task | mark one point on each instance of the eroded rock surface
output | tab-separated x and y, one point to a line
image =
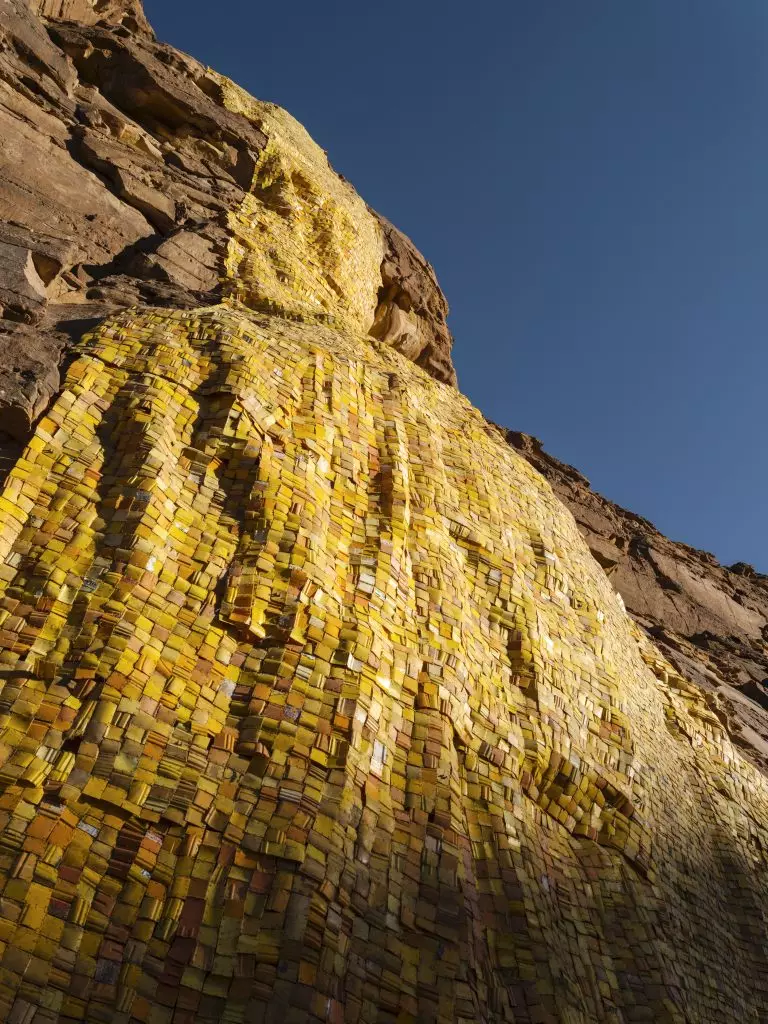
128	14
123	167
314	703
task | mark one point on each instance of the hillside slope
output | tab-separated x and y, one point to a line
314	703
709	620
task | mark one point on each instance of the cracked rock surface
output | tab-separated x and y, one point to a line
120	164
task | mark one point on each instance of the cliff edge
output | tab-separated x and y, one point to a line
314	703
124	168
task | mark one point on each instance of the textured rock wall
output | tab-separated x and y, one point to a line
128	14
126	168
314	704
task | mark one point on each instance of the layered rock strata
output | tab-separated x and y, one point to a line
123	166
314	704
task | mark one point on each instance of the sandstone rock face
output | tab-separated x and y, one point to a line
710	620
128	14
412	312
314	704
127	169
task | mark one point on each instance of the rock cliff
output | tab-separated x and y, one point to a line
314	703
123	166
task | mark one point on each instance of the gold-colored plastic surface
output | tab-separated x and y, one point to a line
303	244
315	706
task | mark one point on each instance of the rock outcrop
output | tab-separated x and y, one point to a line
127	14
314	703
122	164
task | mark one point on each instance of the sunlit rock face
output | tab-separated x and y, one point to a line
314	704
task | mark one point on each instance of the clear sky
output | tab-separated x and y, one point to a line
590	180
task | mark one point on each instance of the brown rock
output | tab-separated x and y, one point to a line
89	196
127	13
413	312
29	376
43	189
28	53
314	703
191	259
120	165
27	290
158	208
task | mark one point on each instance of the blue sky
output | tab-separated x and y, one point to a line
590	180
